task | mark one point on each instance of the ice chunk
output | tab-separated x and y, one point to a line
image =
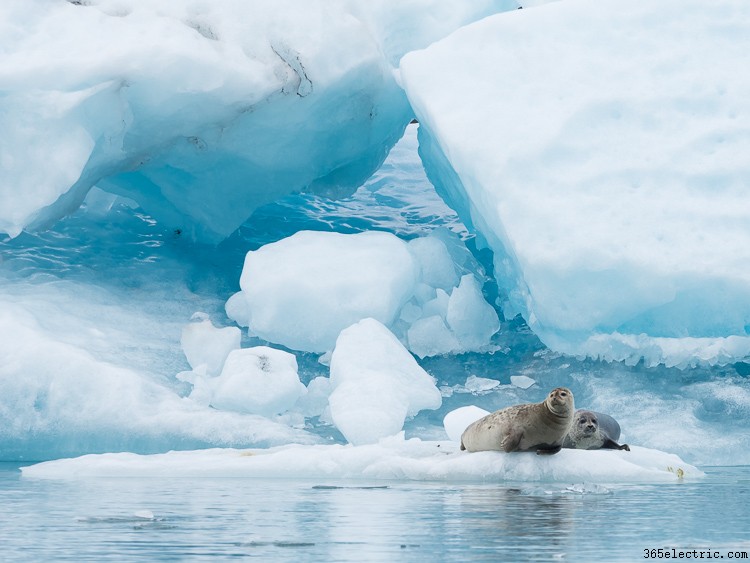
430	337
237	309
521	381
458	420
204	344
613	192
435	262
469	316
376	383
258	380
60	399
305	289
315	401
476	384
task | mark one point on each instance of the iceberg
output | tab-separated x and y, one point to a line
605	166
200	112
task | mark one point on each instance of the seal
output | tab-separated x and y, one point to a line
593	431
533	426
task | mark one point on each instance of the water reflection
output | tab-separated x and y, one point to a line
201	519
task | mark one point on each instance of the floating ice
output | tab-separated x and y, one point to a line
476	384
599	147
376	384
302	291
201	112
521	381
393	458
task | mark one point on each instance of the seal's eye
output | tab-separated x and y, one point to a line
563	394
593	421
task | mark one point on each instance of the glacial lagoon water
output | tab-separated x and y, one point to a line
115	265
130	519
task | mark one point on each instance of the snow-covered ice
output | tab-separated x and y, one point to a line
304	290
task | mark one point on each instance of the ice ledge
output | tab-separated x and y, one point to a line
686	352
391	459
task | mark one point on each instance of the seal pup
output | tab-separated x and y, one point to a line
593	431
533	426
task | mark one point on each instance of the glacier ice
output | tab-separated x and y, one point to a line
605	166
201	111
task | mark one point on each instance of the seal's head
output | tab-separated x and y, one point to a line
586	423
560	402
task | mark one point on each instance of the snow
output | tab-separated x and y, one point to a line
376	383
201	111
599	147
393	458
303	290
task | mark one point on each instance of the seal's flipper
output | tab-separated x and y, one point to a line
548	450
511	441
610	444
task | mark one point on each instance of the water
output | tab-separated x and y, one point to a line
199	519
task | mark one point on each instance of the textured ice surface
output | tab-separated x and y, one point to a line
600	149
391	458
201	111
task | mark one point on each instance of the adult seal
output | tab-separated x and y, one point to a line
533	426
593	431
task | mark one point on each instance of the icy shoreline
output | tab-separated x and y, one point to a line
391	459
